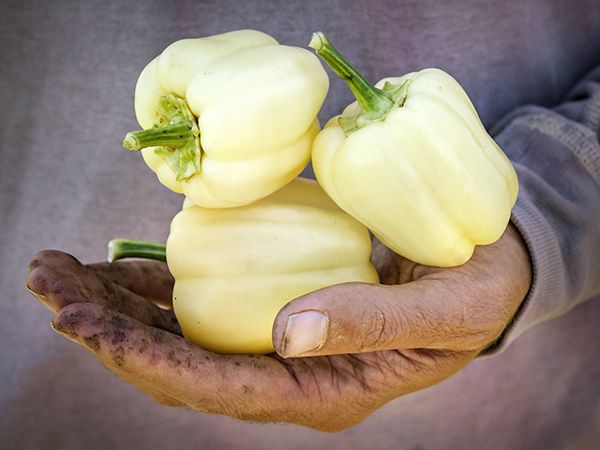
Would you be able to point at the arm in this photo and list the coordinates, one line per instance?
(557, 157)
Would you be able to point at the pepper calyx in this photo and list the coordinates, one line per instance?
(175, 135)
(359, 118)
(374, 103)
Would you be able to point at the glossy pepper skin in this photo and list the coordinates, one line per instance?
(412, 161)
(229, 118)
(235, 268)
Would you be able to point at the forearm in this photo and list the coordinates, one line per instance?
(557, 157)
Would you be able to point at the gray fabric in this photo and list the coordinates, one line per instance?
(557, 157)
(67, 72)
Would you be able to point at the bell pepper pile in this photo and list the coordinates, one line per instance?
(230, 122)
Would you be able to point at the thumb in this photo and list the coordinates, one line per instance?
(357, 318)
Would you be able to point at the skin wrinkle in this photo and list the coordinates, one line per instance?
(357, 373)
(314, 380)
(403, 376)
(164, 319)
(305, 377)
(153, 280)
(379, 331)
(291, 369)
(390, 372)
(345, 383)
(348, 374)
(238, 404)
(110, 342)
(462, 320)
(339, 378)
(114, 364)
(336, 377)
(153, 392)
(255, 409)
(423, 319)
(423, 363)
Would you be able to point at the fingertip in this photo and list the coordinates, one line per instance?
(35, 262)
(49, 288)
(43, 275)
(58, 328)
(43, 257)
(329, 321)
(105, 333)
(78, 319)
(36, 282)
(52, 257)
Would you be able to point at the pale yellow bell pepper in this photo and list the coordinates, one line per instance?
(412, 161)
(229, 118)
(235, 268)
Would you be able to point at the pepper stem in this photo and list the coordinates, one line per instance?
(128, 248)
(168, 136)
(175, 135)
(374, 103)
(372, 100)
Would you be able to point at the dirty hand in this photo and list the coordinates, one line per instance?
(361, 345)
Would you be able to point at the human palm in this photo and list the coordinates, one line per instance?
(417, 328)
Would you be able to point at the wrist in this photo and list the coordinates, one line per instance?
(519, 259)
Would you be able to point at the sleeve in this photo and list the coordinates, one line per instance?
(556, 153)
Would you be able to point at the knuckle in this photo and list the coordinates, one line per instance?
(52, 258)
(51, 272)
(379, 327)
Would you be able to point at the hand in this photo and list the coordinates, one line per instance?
(362, 345)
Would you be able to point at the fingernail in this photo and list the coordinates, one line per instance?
(60, 330)
(41, 297)
(305, 331)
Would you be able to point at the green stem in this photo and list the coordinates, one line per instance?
(175, 135)
(127, 248)
(374, 102)
(167, 136)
